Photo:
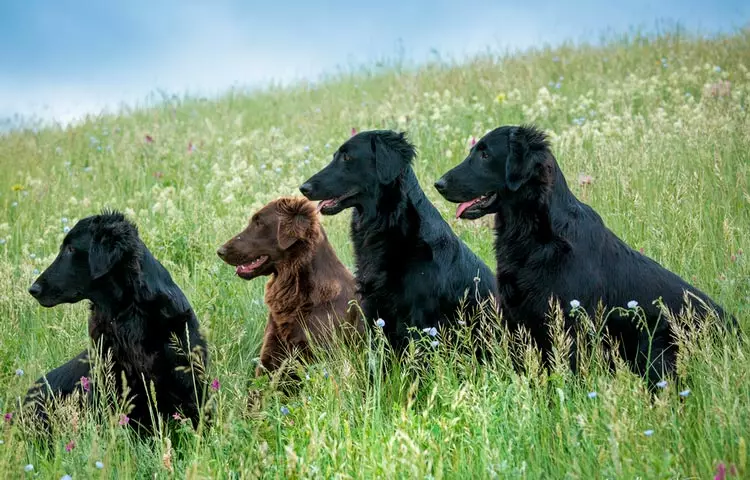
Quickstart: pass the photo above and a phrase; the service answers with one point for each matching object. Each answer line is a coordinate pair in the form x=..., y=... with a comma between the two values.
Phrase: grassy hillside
x=653, y=133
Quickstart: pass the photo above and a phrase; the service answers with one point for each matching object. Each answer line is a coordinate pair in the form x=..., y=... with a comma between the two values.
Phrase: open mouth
x=332, y=204
x=471, y=208
x=247, y=270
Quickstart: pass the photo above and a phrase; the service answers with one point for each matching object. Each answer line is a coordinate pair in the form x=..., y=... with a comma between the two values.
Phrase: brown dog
x=309, y=289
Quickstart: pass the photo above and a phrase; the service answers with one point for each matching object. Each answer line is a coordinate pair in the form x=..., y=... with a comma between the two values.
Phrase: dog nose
x=305, y=188
x=35, y=289
x=222, y=251
x=440, y=185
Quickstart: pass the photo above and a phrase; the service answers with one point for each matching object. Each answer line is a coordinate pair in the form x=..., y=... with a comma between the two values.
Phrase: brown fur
x=309, y=289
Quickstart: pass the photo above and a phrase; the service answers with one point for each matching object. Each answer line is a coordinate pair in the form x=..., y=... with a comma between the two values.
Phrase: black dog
x=549, y=244
x=137, y=312
x=412, y=270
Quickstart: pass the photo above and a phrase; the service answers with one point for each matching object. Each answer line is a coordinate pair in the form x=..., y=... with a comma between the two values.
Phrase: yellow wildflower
x=500, y=98
x=17, y=187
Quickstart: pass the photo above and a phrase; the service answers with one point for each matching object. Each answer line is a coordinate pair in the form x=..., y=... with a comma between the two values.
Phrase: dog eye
x=70, y=249
x=347, y=157
x=484, y=155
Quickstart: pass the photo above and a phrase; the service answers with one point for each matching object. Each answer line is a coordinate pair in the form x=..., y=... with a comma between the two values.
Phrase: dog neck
x=390, y=203
x=536, y=210
x=303, y=278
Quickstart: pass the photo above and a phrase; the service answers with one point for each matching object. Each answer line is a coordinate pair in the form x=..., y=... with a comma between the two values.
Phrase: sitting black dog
x=412, y=270
x=138, y=316
x=549, y=244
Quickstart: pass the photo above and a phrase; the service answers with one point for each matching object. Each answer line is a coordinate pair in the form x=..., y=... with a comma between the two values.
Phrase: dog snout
x=222, y=251
x=35, y=289
x=441, y=184
x=306, y=189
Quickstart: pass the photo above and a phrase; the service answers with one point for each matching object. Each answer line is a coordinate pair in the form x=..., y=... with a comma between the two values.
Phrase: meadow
x=652, y=131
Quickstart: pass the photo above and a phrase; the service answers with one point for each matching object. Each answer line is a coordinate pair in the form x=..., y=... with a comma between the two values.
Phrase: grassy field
x=654, y=133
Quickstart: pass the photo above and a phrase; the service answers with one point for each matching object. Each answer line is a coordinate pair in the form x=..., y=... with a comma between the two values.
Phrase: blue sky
x=60, y=59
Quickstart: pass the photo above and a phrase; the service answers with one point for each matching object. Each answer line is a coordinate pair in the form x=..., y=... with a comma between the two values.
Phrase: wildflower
x=2, y=241
x=124, y=419
x=2, y=442
x=307, y=377
x=85, y=384
x=28, y=468
x=87, y=169
x=70, y=446
x=325, y=373
x=500, y=98
x=473, y=141
x=575, y=304
x=262, y=166
x=327, y=145
x=284, y=410
x=66, y=477
x=215, y=385
x=8, y=417
x=17, y=187
x=278, y=169
x=58, y=150
x=93, y=141
x=380, y=322
x=717, y=69
x=721, y=471
x=592, y=394
x=19, y=372
x=149, y=139
x=661, y=384
x=354, y=131
x=99, y=464
x=579, y=121
x=431, y=331
x=584, y=179
x=632, y=304
x=648, y=433
x=306, y=148
x=558, y=85
x=461, y=322
x=641, y=250
x=66, y=229
x=35, y=271
x=434, y=343
x=685, y=393
x=176, y=416
x=32, y=256
x=14, y=204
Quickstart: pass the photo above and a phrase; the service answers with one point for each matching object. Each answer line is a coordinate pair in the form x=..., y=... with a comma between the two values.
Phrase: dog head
x=359, y=168
x=507, y=164
x=276, y=233
x=93, y=249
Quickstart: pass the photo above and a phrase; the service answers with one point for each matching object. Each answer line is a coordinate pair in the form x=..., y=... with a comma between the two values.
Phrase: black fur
x=412, y=270
x=549, y=244
x=136, y=309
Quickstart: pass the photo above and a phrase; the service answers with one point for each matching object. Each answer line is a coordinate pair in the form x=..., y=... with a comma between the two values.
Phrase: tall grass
x=646, y=131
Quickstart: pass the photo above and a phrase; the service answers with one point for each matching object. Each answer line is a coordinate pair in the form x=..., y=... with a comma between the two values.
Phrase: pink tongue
x=324, y=203
x=244, y=268
x=462, y=207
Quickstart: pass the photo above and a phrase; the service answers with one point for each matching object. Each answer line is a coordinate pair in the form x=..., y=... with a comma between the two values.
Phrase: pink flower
x=473, y=141
x=721, y=472
x=191, y=147
x=584, y=179
x=70, y=446
x=149, y=139
x=85, y=384
x=124, y=419
x=641, y=250
x=8, y=417
x=215, y=385
x=176, y=416
x=354, y=131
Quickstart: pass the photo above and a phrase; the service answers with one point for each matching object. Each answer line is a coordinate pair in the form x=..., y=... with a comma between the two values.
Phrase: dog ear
x=292, y=228
x=525, y=154
x=110, y=243
x=388, y=163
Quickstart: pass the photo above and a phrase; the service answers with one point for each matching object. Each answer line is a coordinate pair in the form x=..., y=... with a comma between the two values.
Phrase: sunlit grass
x=647, y=131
